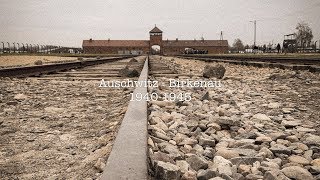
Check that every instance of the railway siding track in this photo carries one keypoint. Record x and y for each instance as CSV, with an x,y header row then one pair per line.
x,y
53,68
61,124
310,64
128,159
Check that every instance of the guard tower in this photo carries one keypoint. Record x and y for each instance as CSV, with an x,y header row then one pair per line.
x,y
156,40
290,43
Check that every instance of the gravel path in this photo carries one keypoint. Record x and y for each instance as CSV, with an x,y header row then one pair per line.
x,y
261,124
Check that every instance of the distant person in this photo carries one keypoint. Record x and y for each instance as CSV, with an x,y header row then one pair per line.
x,y
278,48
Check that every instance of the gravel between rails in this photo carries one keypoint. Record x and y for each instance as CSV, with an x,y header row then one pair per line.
x,y
261,124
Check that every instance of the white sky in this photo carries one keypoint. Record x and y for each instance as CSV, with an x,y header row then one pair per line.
x,y
64,22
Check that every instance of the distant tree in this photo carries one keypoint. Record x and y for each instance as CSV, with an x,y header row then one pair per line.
x,y
264,48
247,47
238,45
313,45
304,34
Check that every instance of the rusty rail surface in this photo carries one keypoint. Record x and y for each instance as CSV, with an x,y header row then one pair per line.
x,y
128,158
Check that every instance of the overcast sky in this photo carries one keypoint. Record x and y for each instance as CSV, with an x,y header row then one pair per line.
x,y
64,22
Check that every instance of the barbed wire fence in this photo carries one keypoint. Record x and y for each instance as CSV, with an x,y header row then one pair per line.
x,y
28,48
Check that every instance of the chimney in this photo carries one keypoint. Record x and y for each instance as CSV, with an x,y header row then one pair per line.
x,y
108,39
90,40
177,39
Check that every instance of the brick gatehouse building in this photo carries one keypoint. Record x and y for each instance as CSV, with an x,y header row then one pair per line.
x,y
156,45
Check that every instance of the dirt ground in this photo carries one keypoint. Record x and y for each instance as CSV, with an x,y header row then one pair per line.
x,y
57,129
10,61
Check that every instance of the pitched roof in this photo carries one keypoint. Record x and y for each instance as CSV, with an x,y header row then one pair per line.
x,y
115,43
194,43
155,30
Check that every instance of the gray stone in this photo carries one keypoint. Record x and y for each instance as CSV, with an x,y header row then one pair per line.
x,y
277,135
179,137
129,72
315,170
167,171
206,174
244,169
172,150
38,62
298,159
238,176
183,165
254,177
291,124
206,96
190,175
272,165
315,162
161,135
306,130
287,110
296,172
280,149
217,178
20,97
271,175
245,160
226,177
312,140
260,118
160,156
188,141
214,71
228,121
242,142
227,153
197,162
262,139
266,152
54,110
246,152
224,166
208,153
274,105
100,164
206,142
197,149
292,138
192,123
133,60
215,126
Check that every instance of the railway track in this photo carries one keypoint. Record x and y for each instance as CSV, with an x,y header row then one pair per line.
x,y
310,64
54,68
61,123
69,127
107,71
57,102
